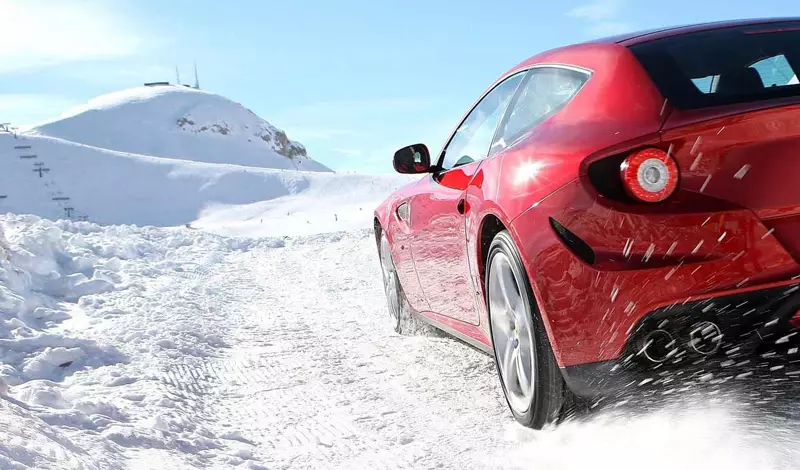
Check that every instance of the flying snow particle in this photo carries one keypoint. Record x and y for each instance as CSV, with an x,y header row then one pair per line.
x,y
703,187
649,252
696,162
626,252
742,171
696,145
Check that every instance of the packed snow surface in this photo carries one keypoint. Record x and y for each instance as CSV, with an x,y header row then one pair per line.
x,y
183,123
129,347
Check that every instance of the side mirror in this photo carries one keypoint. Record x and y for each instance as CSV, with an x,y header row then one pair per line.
x,y
412,159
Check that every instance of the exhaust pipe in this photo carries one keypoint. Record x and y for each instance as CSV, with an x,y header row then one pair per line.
x,y
705,338
658,346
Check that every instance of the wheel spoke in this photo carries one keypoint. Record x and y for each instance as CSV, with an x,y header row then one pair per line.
x,y
511,295
509,367
502,324
505,278
523,372
515,305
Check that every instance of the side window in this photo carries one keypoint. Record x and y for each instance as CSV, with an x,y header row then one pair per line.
x,y
471,140
545,91
707,84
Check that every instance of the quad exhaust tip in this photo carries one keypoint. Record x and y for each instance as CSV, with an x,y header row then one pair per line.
x,y
658,346
705,338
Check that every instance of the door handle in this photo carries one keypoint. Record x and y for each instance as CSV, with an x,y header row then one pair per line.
x,y
462,206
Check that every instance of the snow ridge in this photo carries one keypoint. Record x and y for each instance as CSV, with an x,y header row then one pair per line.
x,y
111,187
182,123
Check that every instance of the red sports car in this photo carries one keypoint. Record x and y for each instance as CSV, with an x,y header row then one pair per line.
x,y
625,203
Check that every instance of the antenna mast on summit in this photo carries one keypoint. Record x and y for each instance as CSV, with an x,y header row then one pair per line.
x,y
196,79
177,76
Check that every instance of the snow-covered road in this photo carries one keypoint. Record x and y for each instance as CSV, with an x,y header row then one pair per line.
x,y
275,353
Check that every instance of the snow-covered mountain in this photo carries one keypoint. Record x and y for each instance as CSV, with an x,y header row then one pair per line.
x,y
168,155
183,123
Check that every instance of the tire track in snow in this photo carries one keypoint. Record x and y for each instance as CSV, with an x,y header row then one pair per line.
x,y
312,375
345,395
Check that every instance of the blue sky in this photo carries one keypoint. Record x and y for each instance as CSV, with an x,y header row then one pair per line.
x,y
352,80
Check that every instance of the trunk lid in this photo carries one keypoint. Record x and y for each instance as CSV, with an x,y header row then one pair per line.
x,y
747,154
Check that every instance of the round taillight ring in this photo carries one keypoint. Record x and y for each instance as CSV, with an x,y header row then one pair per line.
x,y
650,175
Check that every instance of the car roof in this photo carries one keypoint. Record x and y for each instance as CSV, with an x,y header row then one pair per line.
x,y
593,54
638,37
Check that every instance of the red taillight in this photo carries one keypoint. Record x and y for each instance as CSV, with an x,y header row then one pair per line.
x,y
649,175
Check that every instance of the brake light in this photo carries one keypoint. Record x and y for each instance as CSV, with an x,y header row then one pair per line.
x,y
649,175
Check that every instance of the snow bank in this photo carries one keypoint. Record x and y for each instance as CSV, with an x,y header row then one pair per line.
x,y
43,271
40,270
87,313
182,123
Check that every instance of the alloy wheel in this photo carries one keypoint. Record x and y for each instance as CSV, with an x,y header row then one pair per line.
x,y
512,333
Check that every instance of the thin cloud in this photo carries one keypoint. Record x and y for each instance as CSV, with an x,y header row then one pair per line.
x,y
601,17
350,153
599,10
33,109
344,110
313,133
37,33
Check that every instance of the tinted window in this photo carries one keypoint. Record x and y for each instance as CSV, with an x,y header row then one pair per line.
x,y
472,139
543,93
724,66
775,71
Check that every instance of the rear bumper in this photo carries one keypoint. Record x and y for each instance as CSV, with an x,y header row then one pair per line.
x,y
758,323
692,248
599,378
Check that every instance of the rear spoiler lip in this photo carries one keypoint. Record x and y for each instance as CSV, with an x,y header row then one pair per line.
x,y
774,30
674,117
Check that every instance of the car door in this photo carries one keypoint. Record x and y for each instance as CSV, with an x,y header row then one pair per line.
x,y
437,213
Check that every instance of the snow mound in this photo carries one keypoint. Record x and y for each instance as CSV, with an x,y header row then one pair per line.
x,y
110,187
38,278
43,272
183,123
88,314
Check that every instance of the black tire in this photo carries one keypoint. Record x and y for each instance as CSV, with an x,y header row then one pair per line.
x,y
550,393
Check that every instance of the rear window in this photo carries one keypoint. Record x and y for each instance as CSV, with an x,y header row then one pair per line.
x,y
725,66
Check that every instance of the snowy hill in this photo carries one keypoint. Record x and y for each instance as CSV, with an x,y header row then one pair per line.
x,y
110,187
183,123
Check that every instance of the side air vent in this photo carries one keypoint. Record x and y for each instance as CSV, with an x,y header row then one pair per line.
x,y
579,247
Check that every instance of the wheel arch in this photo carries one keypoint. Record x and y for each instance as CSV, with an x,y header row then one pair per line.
x,y
378,231
490,226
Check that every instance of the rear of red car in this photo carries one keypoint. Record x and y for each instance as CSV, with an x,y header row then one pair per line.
x,y
709,265
735,118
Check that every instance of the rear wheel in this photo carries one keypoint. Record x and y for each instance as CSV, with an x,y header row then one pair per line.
x,y
529,375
